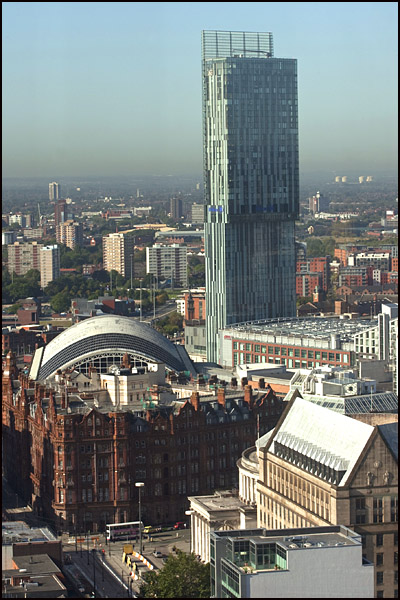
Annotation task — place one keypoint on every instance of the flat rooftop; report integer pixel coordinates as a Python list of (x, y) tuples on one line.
[(18, 531), (297, 539), (219, 501), (315, 327)]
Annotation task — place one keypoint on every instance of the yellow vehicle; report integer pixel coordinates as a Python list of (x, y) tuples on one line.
[(147, 529), (151, 529)]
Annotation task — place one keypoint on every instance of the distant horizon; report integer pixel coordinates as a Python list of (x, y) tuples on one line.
[(94, 88), (199, 175)]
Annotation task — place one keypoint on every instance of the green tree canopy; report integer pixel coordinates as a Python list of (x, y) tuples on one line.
[(61, 302), (182, 576)]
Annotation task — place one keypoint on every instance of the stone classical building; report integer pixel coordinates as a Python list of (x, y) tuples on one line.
[(320, 467)]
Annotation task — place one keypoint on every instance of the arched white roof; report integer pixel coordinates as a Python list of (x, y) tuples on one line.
[(109, 334)]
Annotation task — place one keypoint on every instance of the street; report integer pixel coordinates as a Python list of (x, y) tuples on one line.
[(105, 571)]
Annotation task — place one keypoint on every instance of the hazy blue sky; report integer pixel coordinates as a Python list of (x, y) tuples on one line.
[(101, 88)]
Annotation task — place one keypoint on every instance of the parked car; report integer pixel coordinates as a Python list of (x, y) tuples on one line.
[(158, 554), (180, 525)]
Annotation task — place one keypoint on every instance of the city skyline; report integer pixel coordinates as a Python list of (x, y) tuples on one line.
[(116, 90)]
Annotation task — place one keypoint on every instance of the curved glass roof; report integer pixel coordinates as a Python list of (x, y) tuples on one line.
[(108, 334)]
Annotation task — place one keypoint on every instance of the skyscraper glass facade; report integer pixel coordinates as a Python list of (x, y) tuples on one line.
[(251, 178)]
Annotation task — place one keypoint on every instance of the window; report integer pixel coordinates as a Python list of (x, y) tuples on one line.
[(379, 578), (379, 559), (378, 510), (394, 509), (360, 511), (379, 539)]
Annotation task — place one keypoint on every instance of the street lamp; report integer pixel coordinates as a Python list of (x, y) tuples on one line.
[(94, 572), (139, 485), (189, 513)]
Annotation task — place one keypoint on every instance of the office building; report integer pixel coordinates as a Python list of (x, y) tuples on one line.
[(70, 234), (49, 264), (118, 252), (321, 467), (23, 256), (54, 191), (251, 180), (299, 343), (198, 213), (168, 262), (318, 562), (8, 237)]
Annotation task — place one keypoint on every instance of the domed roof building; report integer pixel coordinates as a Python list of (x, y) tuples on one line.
[(102, 341)]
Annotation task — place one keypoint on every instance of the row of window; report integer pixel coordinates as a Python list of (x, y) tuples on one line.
[(287, 351), (382, 512)]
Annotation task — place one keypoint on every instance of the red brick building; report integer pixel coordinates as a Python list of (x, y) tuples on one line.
[(311, 274), (77, 460)]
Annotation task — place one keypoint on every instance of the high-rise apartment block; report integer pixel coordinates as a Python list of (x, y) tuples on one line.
[(54, 191), (176, 208), (251, 180), (70, 234), (49, 264), (168, 262), (23, 256), (318, 203), (118, 252), (63, 212)]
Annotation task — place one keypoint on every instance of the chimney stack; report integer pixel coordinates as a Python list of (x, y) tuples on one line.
[(195, 400), (248, 394), (221, 396)]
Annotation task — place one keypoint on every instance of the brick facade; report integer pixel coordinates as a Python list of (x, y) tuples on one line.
[(79, 466)]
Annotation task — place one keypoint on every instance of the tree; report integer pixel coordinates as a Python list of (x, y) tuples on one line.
[(61, 302), (182, 576)]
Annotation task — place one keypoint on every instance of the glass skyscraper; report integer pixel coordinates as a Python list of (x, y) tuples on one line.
[(251, 178)]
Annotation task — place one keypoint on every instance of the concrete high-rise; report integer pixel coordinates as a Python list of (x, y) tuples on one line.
[(251, 180), (70, 234), (54, 190), (63, 212), (23, 256), (168, 262), (49, 264), (118, 251)]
